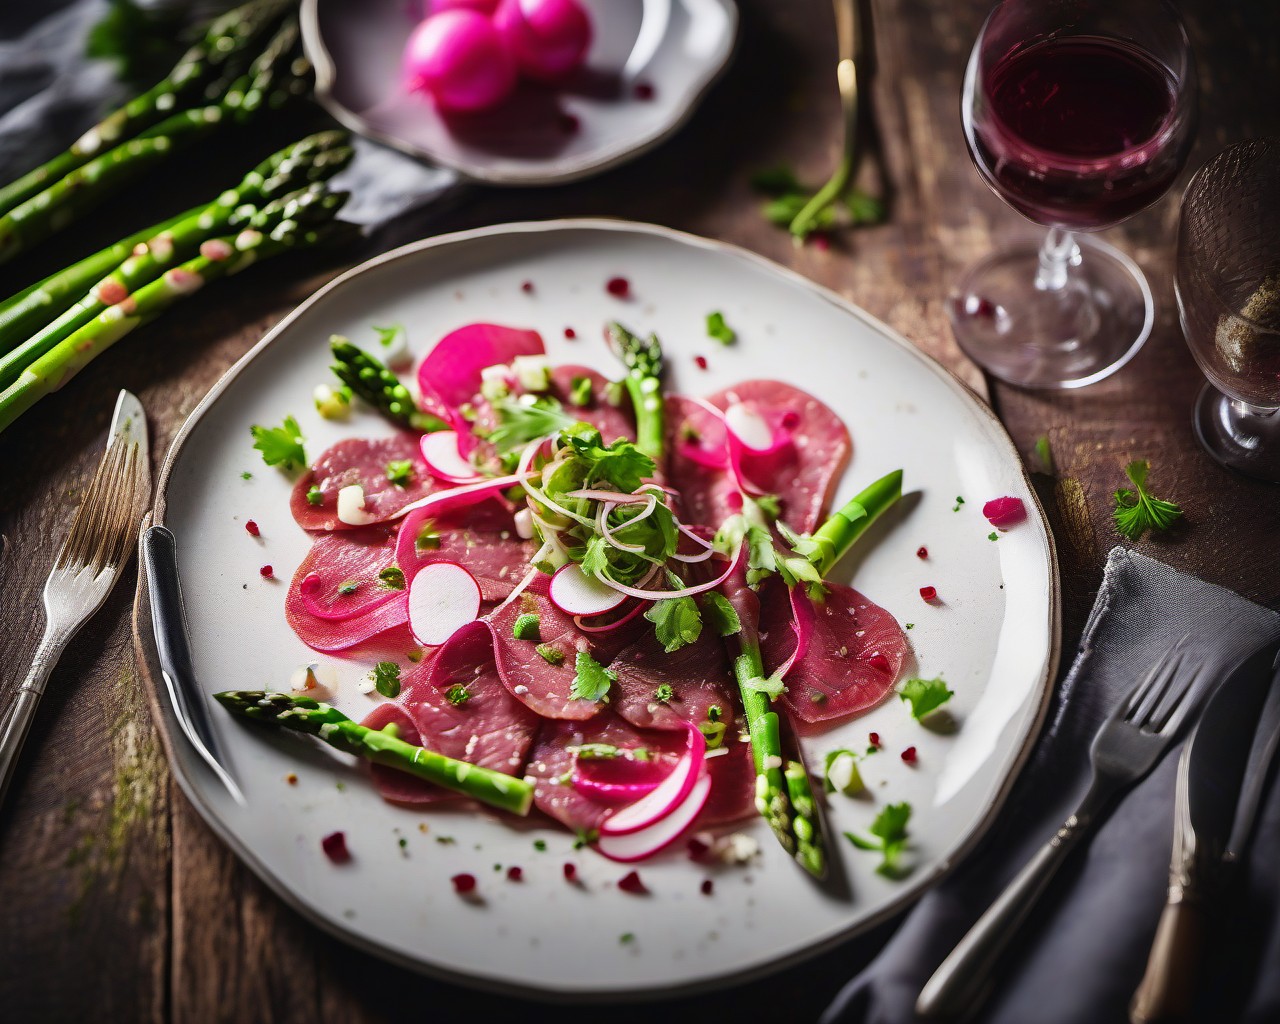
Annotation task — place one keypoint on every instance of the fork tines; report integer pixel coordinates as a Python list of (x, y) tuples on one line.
[(102, 533)]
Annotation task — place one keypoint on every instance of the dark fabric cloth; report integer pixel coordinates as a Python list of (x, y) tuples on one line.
[(1083, 952)]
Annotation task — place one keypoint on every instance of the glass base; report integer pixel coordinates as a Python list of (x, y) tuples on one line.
[(1238, 436), (1064, 337)]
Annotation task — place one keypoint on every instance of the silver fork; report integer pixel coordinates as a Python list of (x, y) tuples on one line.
[(1129, 743), (102, 536)]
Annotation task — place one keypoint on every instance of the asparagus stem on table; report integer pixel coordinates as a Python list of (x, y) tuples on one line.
[(373, 382), (303, 714), (219, 257), (644, 363), (312, 159), (227, 44), (844, 526)]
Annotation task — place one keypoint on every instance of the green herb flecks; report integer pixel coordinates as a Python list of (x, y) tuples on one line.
[(676, 622), (527, 627), (392, 577), (551, 655), (664, 694), (719, 330), (400, 472), (386, 678), (591, 680), (280, 446), (457, 694), (888, 838), (1138, 511), (924, 695), (314, 496), (580, 391)]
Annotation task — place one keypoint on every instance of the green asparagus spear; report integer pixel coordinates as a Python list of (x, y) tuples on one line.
[(378, 386), (805, 823), (305, 715), (219, 257), (227, 44), (834, 537), (643, 359)]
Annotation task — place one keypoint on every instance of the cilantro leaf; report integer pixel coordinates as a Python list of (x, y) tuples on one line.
[(676, 622), (719, 614), (1139, 511), (314, 496), (888, 837), (621, 464), (280, 446), (591, 680), (386, 678), (400, 472), (525, 419), (719, 330), (924, 695), (595, 559)]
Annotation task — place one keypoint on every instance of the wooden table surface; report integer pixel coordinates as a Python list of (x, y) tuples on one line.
[(118, 902)]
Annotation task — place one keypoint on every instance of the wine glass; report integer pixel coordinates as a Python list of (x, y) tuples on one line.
[(1228, 289), (1078, 114)]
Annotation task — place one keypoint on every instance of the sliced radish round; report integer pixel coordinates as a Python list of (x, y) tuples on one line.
[(576, 593), (445, 460), (647, 841), (666, 796), (443, 598), (749, 427)]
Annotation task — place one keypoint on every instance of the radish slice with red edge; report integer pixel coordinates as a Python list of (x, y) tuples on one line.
[(618, 780), (667, 796), (645, 842), (1004, 511), (449, 376), (445, 460), (576, 593), (443, 598), (750, 428)]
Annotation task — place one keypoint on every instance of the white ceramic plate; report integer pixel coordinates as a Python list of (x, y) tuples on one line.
[(993, 636), (540, 136)]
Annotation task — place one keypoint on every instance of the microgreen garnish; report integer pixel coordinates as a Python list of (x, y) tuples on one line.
[(540, 845), (959, 502), (525, 419), (1045, 454), (888, 837), (621, 463), (664, 694), (591, 680), (719, 330), (348, 587), (428, 538), (246, 475), (388, 336), (527, 627), (386, 678), (1138, 511), (392, 577), (719, 614), (993, 535), (280, 446), (626, 938), (314, 497), (848, 205), (580, 391), (584, 837), (400, 472), (457, 694), (924, 695), (597, 752)]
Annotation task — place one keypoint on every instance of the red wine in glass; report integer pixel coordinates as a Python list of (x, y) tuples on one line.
[(1078, 114), (1076, 126)]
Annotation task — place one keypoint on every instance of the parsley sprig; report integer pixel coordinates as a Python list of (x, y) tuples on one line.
[(280, 446), (1138, 511)]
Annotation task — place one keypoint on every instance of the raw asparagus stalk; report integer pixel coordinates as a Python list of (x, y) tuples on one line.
[(226, 45), (63, 201), (378, 386), (834, 537), (305, 715), (805, 823), (644, 363), (313, 158), (219, 257)]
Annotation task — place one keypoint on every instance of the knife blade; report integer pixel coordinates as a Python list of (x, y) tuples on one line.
[(1262, 755), (173, 649), (1218, 790)]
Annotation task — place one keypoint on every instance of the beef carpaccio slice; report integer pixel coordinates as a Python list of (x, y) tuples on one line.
[(802, 473), (482, 538), (364, 462), (699, 675), (488, 727), (553, 759), (351, 556), (836, 676), (733, 784)]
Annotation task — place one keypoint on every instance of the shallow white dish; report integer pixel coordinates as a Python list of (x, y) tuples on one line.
[(993, 636), (539, 137)]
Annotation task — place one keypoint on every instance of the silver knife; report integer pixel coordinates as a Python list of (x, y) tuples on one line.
[(173, 649), (1221, 776)]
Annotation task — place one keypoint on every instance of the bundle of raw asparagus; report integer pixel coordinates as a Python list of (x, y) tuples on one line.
[(247, 61)]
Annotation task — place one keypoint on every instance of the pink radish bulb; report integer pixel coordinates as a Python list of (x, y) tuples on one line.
[(459, 58), (547, 38), (485, 7), (647, 841), (576, 593), (443, 598), (444, 459)]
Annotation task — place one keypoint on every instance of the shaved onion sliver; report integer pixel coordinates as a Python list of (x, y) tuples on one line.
[(662, 833), (617, 497), (607, 627), (602, 528), (803, 616), (309, 588), (473, 492), (522, 471), (519, 589), (701, 556), (750, 428), (671, 595), (667, 795), (710, 546)]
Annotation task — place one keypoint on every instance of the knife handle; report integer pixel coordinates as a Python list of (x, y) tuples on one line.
[(1169, 985)]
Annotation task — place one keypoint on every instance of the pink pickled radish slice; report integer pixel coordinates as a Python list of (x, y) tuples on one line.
[(666, 796), (660, 834), (444, 460), (443, 598), (576, 593)]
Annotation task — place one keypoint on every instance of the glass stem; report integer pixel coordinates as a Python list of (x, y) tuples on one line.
[(1056, 256)]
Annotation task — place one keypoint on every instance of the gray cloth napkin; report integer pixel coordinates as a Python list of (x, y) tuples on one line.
[(50, 93), (1083, 953)]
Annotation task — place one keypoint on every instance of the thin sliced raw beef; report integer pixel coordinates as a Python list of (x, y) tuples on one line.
[(835, 677), (395, 786), (487, 545), (364, 462), (699, 674), (327, 620), (552, 760), (733, 785), (802, 472), (612, 421)]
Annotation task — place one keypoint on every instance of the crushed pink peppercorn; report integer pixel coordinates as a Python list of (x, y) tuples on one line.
[(464, 884), (874, 739), (618, 287), (929, 593), (570, 872), (251, 528), (909, 755), (266, 572), (700, 362), (630, 882), (515, 874), (335, 847), (707, 886)]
